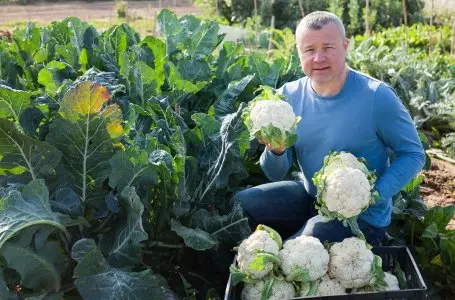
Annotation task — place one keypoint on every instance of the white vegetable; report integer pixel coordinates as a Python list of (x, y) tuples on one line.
[(343, 159), (392, 282), (277, 113), (304, 259), (351, 263), (280, 290), (346, 192), (329, 287), (257, 243)]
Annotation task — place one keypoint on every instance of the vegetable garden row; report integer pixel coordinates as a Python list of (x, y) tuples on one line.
[(119, 155)]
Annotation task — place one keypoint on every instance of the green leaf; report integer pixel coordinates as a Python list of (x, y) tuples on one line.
[(431, 231), (90, 259), (25, 157), (262, 259), (85, 132), (223, 228), (123, 243), (131, 168), (401, 276), (30, 207), (53, 75), (145, 83), (120, 285), (267, 290), (194, 238), (377, 281), (5, 293), (28, 263), (13, 102), (414, 183), (265, 73), (226, 104), (440, 215), (298, 274)]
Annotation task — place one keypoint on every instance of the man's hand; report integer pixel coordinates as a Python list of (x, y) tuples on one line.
[(277, 151)]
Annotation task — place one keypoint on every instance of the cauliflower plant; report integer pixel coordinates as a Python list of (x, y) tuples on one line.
[(271, 119), (345, 188), (352, 263), (273, 289), (303, 259), (257, 255)]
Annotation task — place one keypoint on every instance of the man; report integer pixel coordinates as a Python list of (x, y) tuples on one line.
[(342, 110)]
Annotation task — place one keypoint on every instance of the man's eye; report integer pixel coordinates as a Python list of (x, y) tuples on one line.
[(308, 50)]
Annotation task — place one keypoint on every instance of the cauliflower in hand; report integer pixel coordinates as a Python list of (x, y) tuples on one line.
[(257, 255), (273, 289), (271, 119), (354, 265), (345, 188), (346, 192), (304, 259)]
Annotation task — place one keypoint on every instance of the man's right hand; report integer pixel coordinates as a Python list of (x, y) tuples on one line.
[(277, 151)]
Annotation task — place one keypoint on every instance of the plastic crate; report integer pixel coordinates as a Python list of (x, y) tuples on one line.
[(416, 288)]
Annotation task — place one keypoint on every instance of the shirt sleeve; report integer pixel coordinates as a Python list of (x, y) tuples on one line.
[(397, 131), (275, 167)]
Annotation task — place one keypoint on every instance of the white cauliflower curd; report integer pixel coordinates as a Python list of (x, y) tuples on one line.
[(304, 259), (280, 290), (351, 263)]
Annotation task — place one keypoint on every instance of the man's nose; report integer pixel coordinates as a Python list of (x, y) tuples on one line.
[(318, 56)]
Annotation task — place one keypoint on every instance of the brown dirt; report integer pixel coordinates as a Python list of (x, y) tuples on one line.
[(89, 11), (438, 187)]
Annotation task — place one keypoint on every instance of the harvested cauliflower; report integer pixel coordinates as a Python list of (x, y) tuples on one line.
[(274, 290), (329, 287), (270, 119), (346, 192), (391, 281), (351, 263), (304, 259), (336, 160), (258, 254)]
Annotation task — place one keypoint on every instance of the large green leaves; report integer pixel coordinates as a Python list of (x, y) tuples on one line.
[(29, 263), (123, 244), (95, 279), (25, 157), (30, 207), (85, 132), (13, 102), (131, 168)]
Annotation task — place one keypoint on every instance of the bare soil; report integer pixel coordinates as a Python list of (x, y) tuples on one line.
[(86, 11), (438, 187)]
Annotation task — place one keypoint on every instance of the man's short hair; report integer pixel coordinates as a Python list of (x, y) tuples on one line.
[(317, 20)]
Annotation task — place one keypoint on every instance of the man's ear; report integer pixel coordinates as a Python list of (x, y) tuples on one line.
[(346, 44)]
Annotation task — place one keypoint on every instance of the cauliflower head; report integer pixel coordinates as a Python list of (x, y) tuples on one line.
[(304, 259), (277, 113), (329, 287), (391, 281), (259, 242), (271, 119), (280, 290), (347, 192), (351, 263), (336, 160)]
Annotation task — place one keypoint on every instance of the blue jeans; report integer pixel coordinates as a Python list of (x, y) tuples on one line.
[(287, 207)]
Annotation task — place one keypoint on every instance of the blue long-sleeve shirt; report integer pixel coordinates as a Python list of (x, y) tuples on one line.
[(365, 118)]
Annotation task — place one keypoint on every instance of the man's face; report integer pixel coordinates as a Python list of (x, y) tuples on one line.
[(323, 53)]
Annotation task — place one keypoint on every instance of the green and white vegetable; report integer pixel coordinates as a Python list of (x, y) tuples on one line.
[(345, 188), (271, 119)]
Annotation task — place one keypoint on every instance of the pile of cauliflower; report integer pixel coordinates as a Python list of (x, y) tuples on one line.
[(345, 188), (271, 119), (303, 267)]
